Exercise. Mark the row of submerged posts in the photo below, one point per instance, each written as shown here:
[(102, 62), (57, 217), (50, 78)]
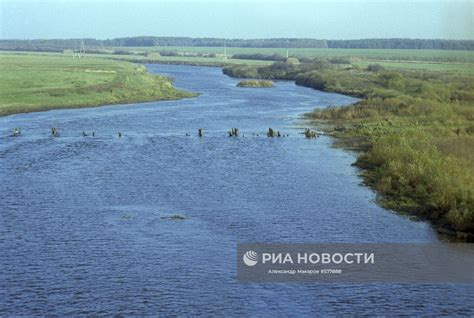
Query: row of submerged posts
[(233, 132), (54, 132), (271, 133)]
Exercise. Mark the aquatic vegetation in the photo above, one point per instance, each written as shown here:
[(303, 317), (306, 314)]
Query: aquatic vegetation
[(175, 217)]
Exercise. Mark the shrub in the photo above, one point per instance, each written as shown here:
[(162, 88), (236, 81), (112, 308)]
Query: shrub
[(375, 68)]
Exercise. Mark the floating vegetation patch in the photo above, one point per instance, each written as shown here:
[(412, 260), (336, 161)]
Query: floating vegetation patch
[(175, 217)]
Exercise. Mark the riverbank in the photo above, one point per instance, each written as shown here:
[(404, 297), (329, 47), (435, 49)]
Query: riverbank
[(100, 200), (413, 130), (31, 83)]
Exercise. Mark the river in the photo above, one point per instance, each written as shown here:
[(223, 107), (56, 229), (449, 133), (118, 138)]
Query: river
[(82, 229)]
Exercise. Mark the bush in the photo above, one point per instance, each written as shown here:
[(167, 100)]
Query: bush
[(241, 71), (312, 79), (123, 52), (258, 56), (375, 68), (169, 53)]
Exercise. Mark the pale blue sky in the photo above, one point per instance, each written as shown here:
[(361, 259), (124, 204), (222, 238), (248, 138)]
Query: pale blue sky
[(343, 19)]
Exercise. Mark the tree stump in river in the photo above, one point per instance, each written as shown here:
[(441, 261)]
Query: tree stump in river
[(309, 134), (16, 132), (234, 132), (273, 133)]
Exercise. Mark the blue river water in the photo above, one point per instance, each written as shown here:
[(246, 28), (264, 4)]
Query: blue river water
[(83, 228)]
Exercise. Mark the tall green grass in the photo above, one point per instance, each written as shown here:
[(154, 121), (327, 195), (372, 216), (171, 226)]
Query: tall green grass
[(415, 130), (420, 135)]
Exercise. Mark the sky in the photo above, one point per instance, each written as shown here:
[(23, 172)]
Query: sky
[(341, 19)]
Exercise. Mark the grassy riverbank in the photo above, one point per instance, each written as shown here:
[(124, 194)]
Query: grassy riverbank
[(42, 82), (415, 131), (414, 125)]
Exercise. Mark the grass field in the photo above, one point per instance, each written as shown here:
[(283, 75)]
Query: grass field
[(192, 60), (372, 54), (42, 82), (430, 60)]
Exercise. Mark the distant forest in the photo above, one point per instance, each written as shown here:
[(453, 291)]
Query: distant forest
[(149, 41)]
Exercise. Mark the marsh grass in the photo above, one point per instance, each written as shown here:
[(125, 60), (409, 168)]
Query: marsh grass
[(42, 82), (420, 157), (255, 83), (414, 129)]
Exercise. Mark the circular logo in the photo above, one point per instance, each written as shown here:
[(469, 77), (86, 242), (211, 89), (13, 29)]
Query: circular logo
[(250, 258)]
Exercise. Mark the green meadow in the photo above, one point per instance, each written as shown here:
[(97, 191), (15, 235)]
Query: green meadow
[(38, 82), (373, 54), (433, 60)]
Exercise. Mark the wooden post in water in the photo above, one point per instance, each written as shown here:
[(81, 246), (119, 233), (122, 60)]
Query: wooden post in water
[(273, 133), (308, 133), (270, 133), (234, 132)]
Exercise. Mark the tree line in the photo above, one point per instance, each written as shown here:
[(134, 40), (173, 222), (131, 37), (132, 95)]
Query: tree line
[(55, 45)]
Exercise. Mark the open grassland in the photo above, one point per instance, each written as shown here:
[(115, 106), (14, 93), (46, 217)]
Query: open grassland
[(434, 60), (368, 54), (414, 128), (41, 82), (431, 60), (186, 60), (138, 57)]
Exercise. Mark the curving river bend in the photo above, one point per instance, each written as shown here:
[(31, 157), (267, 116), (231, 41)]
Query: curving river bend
[(81, 228)]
